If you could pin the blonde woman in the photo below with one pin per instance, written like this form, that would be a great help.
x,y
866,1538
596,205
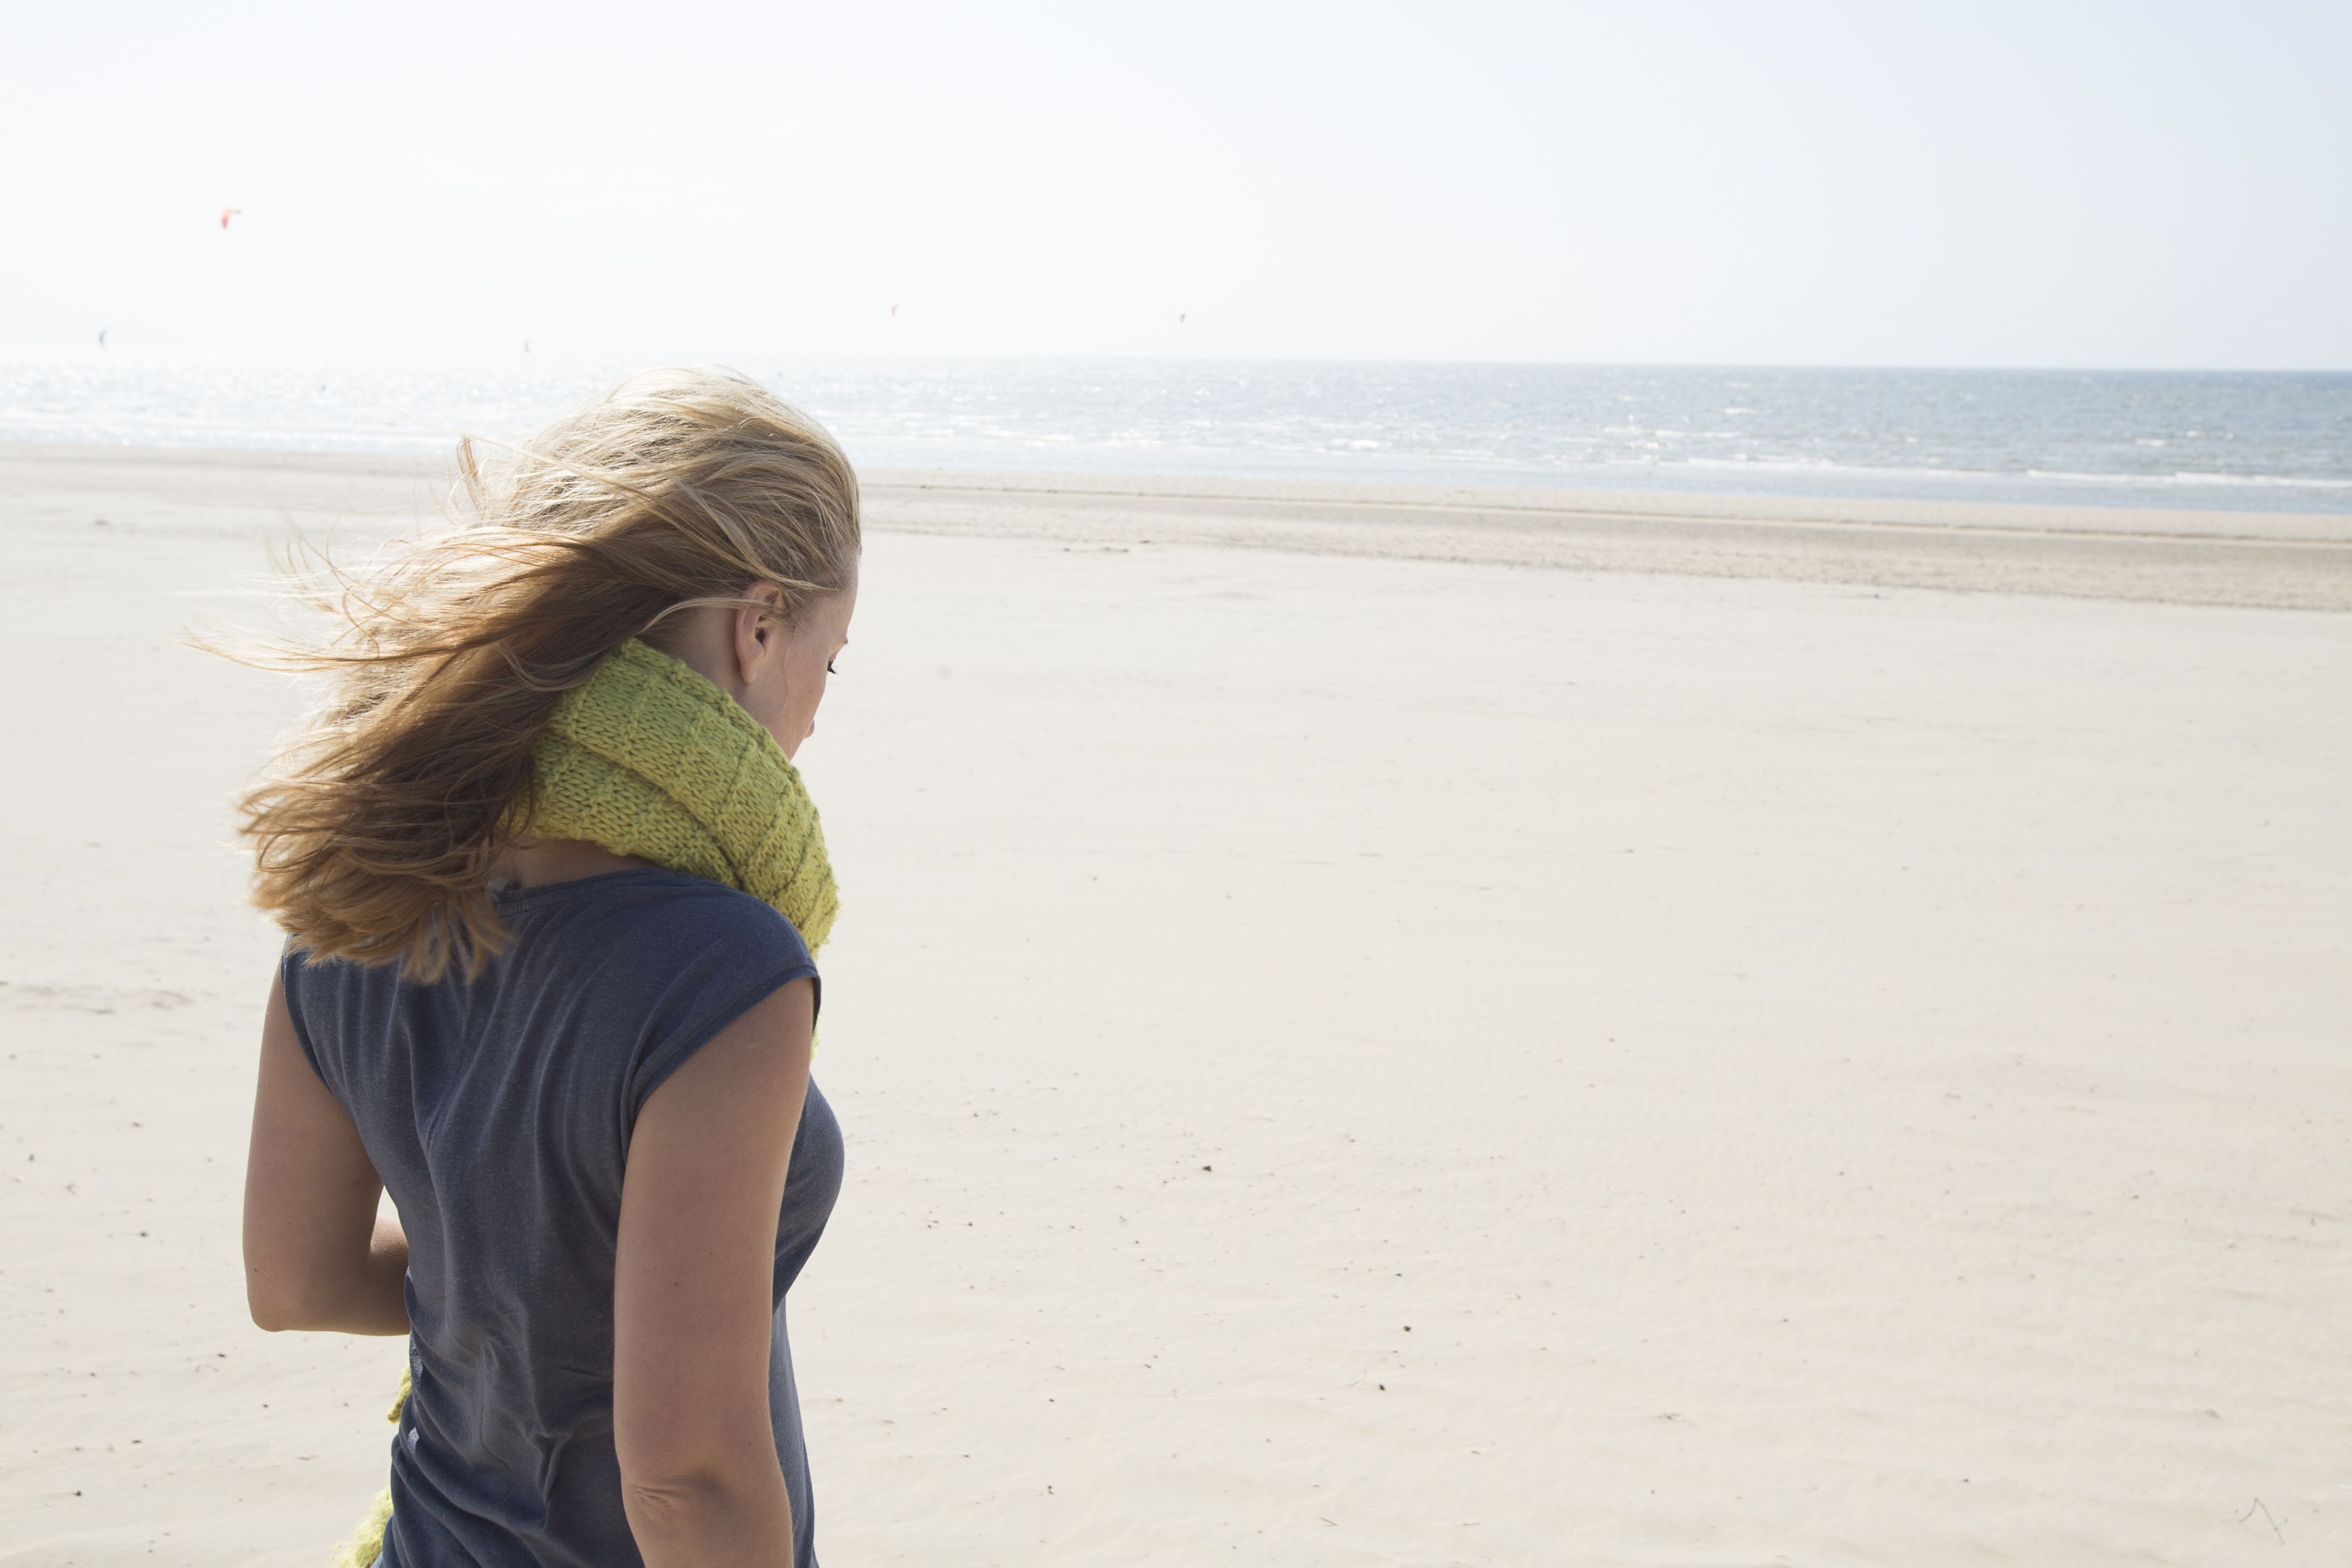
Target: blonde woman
x,y
552,888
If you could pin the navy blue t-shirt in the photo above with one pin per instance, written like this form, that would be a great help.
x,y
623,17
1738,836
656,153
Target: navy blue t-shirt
x,y
498,1111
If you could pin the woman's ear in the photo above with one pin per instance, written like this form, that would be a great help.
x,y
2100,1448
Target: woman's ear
x,y
760,632
744,643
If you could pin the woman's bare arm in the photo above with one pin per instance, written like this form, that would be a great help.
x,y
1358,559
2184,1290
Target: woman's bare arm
x,y
693,1307
316,1256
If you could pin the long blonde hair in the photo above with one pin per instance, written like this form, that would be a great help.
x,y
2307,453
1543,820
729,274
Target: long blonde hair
x,y
376,829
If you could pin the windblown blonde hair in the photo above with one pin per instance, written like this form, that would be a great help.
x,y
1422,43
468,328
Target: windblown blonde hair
x,y
375,831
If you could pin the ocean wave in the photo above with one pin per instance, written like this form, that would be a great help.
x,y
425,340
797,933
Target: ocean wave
x,y
2192,439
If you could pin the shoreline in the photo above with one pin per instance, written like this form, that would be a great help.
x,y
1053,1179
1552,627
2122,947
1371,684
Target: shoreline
x,y
2248,559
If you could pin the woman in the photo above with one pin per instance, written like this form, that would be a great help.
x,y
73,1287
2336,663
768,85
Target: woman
x,y
552,887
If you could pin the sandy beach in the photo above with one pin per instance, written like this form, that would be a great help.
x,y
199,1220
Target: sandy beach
x,y
1416,1026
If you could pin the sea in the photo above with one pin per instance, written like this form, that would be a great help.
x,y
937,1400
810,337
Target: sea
x,y
2269,441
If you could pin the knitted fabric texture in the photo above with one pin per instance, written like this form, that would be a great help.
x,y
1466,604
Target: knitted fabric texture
x,y
650,760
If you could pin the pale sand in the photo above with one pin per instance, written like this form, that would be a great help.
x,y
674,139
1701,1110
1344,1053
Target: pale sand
x,y
1828,1073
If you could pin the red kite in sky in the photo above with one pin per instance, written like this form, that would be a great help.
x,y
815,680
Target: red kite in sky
x,y
228,212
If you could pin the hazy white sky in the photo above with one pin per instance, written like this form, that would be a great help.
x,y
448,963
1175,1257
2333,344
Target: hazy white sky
x,y
1802,181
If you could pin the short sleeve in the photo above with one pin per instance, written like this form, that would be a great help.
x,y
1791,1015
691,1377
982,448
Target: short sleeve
x,y
716,963
293,965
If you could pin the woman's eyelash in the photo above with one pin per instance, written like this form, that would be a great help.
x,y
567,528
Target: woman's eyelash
x,y
829,669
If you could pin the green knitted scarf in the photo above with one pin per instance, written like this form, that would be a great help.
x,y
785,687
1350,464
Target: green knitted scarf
x,y
650,760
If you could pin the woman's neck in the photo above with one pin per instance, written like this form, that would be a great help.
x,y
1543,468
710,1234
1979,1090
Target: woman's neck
x,y
537,862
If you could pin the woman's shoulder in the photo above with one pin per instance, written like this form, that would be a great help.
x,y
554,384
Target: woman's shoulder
x,y
648,913
652,963
606,939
